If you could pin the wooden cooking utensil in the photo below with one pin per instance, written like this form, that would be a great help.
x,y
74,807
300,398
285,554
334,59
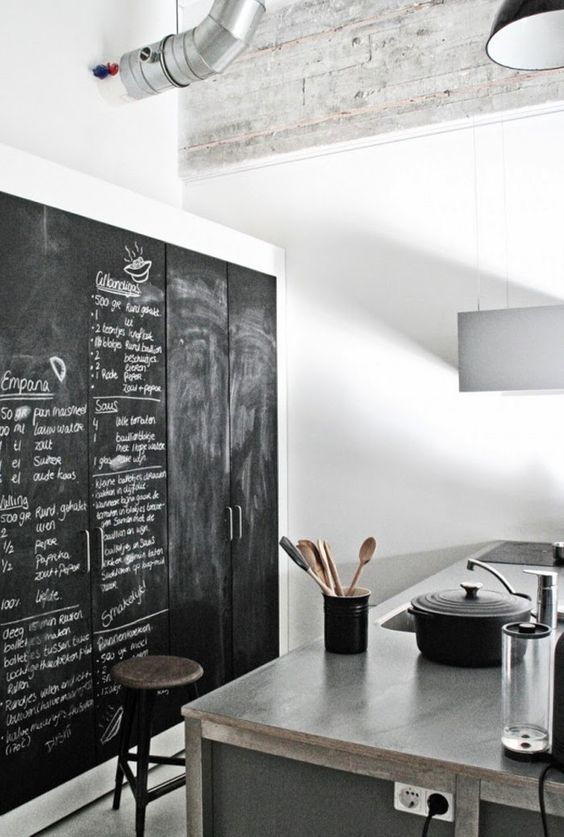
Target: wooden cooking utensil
x,y
367,549
325,562
333,567
312,559
319,565
299,559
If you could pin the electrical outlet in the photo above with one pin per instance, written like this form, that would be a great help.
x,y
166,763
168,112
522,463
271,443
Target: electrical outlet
x,y
448,816
412,799
408,798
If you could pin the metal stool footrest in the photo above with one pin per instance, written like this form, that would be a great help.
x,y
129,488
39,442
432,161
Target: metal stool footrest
x,y
166,787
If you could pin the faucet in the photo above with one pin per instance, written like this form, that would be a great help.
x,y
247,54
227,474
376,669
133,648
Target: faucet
x,y
547,591
473,562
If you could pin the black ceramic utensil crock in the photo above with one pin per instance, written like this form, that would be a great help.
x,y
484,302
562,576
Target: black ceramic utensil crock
x,y
462,627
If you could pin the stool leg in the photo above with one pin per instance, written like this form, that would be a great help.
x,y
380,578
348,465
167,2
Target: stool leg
x,y
144,714
125,738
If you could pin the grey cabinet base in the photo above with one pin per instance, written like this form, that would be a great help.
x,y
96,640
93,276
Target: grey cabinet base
x,y
256,794
246,783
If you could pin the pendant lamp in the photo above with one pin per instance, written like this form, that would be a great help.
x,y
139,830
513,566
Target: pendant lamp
x,y
528,35
511,349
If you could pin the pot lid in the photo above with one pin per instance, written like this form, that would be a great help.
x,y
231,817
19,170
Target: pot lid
x,y
471,600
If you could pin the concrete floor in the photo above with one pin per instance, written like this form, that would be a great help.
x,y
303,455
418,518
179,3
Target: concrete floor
x,y
165,816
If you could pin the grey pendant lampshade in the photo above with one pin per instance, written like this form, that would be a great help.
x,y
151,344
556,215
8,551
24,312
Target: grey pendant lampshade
x,y
528,35
511,349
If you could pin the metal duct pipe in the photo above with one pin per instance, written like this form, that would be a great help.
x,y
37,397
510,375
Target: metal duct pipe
x,y
180,60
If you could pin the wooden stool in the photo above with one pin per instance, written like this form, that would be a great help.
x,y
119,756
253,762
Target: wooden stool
x,y
142,677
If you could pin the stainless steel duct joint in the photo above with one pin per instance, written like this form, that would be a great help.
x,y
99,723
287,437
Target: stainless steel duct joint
x,y
208,49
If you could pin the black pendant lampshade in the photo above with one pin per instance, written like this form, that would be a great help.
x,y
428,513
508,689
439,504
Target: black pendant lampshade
x,y
528,35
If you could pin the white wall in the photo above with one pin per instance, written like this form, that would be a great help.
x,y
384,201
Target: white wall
x,y
51,104
382,252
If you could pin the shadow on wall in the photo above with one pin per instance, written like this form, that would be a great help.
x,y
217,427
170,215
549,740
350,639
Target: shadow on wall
x,y
416,293
381,425
382,442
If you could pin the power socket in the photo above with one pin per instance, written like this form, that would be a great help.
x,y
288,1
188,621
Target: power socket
x,y
408,798
412,799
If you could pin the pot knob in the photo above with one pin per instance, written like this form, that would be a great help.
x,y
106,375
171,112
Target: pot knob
x,y
471,588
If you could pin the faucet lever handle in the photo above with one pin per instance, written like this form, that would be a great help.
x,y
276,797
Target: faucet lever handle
x,y
546,578
547,596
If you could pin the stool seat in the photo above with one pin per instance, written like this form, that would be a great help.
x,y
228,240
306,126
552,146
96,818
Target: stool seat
x,y
157,672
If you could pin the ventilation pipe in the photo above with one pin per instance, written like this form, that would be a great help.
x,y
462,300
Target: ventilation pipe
x,y
180,60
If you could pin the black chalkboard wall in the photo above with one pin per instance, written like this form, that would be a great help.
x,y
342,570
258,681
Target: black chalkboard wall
x,y
138,480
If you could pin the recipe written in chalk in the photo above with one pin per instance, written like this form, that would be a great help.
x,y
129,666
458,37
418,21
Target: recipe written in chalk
x,y
45,641
128,464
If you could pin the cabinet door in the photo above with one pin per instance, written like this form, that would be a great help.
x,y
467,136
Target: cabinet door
x,y
254,466
127,462
198,439
46,707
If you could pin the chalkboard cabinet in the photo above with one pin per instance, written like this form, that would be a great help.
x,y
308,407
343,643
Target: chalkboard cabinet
x,y
223,500
138,479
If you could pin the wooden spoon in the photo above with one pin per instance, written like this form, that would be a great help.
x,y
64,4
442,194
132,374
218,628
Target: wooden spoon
x,y
333,567
312,559
367,550
319,565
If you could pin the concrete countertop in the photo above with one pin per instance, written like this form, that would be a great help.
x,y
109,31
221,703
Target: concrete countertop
x,y
390,700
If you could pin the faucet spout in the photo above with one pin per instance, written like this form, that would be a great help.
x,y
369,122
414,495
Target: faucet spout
x,y
473,562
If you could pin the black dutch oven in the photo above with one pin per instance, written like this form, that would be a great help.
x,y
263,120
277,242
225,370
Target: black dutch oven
x,y
462,627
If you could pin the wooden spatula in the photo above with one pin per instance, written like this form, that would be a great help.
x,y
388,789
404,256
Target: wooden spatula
x,y
333,567
325,562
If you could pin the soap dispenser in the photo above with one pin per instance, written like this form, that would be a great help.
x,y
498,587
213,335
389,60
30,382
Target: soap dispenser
x,y
547,597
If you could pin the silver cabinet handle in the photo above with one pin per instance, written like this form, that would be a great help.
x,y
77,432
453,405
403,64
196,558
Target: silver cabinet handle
x,y
101,536
239,511
229,516
86,534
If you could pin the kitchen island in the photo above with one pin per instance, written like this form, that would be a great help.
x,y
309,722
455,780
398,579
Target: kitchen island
x,y
311,743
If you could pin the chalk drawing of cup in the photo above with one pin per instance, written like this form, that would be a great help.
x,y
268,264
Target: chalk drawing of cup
x,y
139,269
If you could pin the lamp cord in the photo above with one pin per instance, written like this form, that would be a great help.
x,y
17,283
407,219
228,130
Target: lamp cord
x,y
476,214
505,223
